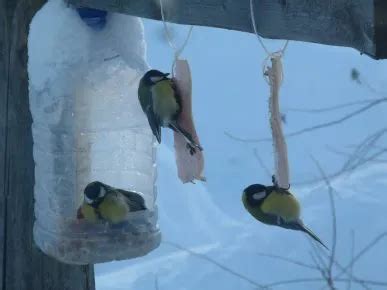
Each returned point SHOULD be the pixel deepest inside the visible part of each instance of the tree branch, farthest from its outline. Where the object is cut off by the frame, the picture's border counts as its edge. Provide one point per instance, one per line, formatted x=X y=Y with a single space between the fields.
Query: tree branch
x=315 y=127
x=216 y=263
x=362 y=253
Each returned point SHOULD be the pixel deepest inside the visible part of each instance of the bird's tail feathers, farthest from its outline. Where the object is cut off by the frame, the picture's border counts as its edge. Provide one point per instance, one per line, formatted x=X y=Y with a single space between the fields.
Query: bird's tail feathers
x=305 y=229
x=136 y=201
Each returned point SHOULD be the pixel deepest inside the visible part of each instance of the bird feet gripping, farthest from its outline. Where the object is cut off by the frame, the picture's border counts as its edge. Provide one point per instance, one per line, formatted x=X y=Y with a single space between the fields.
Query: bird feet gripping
x=276 y=186
x=192 y=147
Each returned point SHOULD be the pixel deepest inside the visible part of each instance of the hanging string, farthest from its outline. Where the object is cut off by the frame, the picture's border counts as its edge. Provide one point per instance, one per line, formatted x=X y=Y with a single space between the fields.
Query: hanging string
x=270 y=55
x=252 y=16
x=273 y=75
x=177 y=51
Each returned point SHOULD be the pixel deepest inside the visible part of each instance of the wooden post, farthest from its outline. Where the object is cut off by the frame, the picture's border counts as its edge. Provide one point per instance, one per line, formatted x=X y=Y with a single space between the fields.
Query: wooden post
x=360 y=24
x=23 y=266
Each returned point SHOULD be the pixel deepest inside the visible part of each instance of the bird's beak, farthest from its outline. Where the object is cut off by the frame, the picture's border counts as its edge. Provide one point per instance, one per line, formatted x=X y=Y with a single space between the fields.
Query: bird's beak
x=166 y=74
x=80 y=214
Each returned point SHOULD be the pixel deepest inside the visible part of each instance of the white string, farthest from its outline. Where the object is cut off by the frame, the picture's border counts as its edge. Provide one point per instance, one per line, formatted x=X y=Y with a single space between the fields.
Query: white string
x=177 y=51
x=270 y=55
x=252 y=16
x=274 y=76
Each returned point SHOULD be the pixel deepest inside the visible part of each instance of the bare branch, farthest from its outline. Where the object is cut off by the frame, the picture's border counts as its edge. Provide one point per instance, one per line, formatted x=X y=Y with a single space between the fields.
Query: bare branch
x=349 y=155
x=261 y=163
x=333 y=212
x=338 y=121
x=318 y=279
x=364 y=147
x=315 y=127
x=318 y=262
x=292 y=261
x=363 y=252
x=246 y=140
x=331 y=108
x=348 y=169
x=157 y=286
x=351 y=277
x=352 y=256
x=295 y=281
x=318 y=259
x=357 y=77
x=219 y=265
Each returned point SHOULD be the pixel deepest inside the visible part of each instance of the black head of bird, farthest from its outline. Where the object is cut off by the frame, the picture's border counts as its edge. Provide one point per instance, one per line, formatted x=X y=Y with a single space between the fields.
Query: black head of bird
x=153 y=76
x=95 y=192
x=255 y=194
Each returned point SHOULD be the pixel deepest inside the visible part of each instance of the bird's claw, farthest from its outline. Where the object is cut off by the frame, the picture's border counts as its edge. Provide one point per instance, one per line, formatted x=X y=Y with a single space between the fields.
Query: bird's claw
x=275 y=184
x=192 y=149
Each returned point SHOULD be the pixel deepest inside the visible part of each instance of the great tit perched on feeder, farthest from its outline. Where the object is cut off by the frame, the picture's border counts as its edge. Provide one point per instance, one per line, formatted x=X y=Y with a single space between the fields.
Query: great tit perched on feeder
x=105 y=203
x=275 y=206
x=161 y=103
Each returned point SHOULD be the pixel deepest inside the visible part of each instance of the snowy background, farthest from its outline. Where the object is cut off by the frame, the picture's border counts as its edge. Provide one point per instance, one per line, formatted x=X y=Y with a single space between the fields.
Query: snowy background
x=208 y=218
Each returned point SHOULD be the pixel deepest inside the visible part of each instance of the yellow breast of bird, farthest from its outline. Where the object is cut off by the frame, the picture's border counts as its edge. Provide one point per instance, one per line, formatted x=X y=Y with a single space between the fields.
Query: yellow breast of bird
x=89 y=213
x=164 y=100
x=114 y=208
x=284 y=205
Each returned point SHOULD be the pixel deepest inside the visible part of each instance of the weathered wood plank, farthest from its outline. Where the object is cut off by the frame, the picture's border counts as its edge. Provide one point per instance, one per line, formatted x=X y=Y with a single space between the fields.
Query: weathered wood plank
x=23 y=266
x=350 y=23
x=3 y=126
x=381 y=28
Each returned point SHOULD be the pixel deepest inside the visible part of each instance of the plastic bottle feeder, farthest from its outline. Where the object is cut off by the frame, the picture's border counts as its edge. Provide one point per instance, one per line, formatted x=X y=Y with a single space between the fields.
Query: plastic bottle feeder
x=88 y=126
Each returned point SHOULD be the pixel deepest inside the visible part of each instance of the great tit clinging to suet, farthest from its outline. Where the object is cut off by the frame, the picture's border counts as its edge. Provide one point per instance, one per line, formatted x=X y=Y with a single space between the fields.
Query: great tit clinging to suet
x=105 y=203
x=161 y=103
x=275 y=206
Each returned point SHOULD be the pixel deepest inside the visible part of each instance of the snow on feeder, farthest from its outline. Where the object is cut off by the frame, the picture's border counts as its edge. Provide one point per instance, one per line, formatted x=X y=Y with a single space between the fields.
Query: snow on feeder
x=88 y=126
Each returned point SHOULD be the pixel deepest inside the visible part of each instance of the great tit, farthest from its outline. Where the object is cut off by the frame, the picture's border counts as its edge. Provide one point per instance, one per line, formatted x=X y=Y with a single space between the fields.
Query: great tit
x=275 y=206
x=161 y=103
x=105 y=203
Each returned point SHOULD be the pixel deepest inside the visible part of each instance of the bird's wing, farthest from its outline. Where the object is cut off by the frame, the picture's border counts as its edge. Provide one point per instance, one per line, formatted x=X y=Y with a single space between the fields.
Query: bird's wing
x=282 y=205
x=177 y=94
x=136 y=201
x=154 y=123
x=146 y=102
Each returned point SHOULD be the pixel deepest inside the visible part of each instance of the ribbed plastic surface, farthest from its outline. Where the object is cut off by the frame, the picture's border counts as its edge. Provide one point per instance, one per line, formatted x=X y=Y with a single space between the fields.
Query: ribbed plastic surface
x=88 y=126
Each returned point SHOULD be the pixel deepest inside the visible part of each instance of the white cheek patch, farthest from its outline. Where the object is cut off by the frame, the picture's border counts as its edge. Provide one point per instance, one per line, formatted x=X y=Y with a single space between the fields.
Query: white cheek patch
x=102 y=192
x=156 y=79
x=259 y=195
x=88 y=200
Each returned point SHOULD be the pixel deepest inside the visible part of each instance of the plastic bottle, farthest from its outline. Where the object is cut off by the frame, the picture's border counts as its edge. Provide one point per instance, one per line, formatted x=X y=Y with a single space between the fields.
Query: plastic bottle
x=88 y=126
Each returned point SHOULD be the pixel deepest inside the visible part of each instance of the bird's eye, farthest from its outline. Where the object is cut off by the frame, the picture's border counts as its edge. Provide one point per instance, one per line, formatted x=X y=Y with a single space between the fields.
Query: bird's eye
x=259 y=195
x=156 y=79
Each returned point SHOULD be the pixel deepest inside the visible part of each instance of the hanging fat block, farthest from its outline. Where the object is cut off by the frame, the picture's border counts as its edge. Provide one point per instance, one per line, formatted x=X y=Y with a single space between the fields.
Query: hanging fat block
x=88 y=126
x=189 y=166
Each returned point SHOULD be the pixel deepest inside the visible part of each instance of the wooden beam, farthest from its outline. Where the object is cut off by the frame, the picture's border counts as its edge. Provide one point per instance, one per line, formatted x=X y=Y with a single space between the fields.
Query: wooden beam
x=22 y=265
x=351 y=23
x=380 y=14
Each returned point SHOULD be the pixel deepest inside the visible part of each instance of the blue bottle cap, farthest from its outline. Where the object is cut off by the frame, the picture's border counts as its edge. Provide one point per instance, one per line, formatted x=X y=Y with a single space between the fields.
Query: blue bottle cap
x=93 y=17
